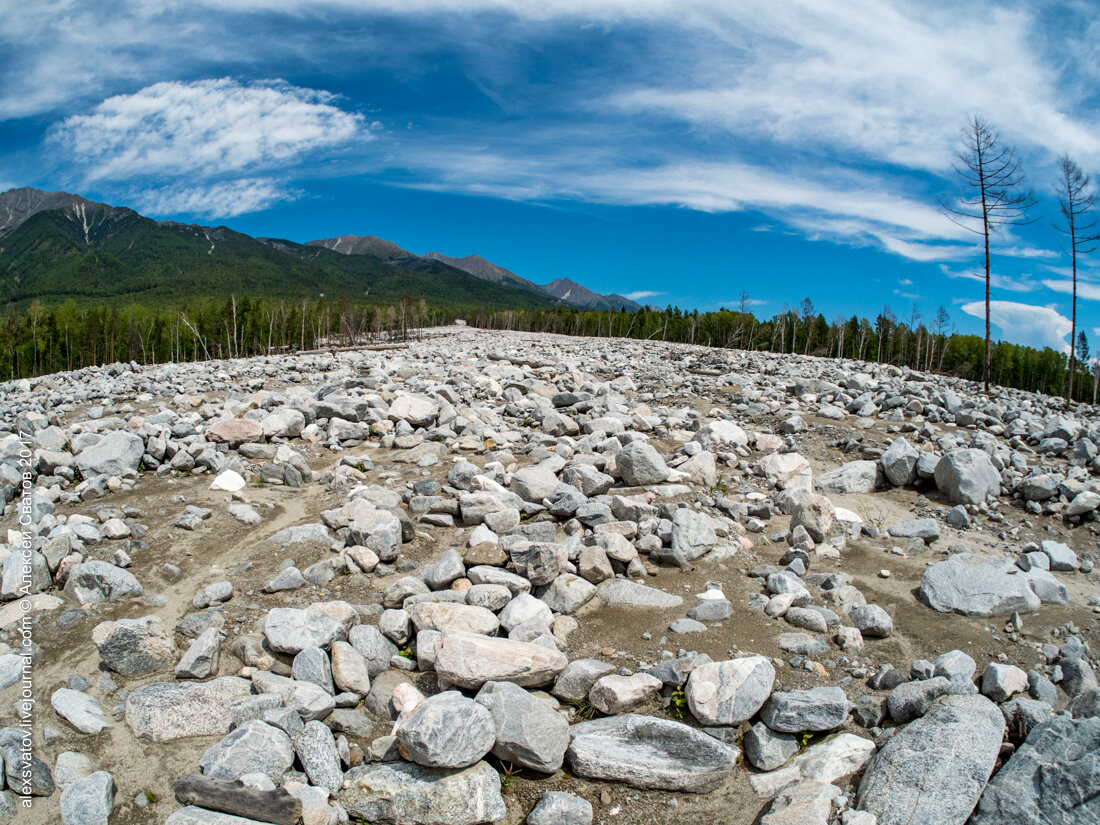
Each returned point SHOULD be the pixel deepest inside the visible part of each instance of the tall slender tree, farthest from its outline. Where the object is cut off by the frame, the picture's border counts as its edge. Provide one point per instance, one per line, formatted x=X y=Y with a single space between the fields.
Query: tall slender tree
x=1076 y=201
x=995 y=197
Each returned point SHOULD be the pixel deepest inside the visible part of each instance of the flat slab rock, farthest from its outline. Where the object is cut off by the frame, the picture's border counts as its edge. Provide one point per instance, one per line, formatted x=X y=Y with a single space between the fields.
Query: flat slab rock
x=632 y=594
x=650 y=753
x=976 y=585
x=933 y=771
x=401 y=793
x=163 y=711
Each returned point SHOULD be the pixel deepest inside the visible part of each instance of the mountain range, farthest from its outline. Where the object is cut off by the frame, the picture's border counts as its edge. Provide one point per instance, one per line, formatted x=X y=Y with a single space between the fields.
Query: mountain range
x=55 y=246
x=563 y=289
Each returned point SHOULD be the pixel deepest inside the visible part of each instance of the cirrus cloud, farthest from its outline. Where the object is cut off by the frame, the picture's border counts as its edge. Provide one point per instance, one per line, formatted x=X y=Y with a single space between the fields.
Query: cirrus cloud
x=208 y=127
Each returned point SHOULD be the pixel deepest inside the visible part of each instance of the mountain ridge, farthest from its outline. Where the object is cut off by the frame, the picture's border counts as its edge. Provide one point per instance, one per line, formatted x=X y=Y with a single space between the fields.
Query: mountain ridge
x=55 y=245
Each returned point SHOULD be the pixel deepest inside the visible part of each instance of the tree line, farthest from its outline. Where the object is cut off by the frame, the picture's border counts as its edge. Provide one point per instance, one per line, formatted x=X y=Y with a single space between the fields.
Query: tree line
x=43 y=339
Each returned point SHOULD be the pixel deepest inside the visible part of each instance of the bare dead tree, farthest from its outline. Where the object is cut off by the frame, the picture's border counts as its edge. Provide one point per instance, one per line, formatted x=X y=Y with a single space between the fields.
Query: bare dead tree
x=995 y=196
x=1076 y=201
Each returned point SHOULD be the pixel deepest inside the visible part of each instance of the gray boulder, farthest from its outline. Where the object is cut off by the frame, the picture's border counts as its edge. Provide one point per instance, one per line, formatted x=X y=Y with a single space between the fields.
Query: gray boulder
x=728 y=693
x=767 y=750
x=820 y=708
x=911 y=700
x=290 y=630
x=1052 y=778
x=853 y=477
x=872 y=621
x=560 y=808
x=976 y=585
x=925 y=529
x=529 y=732
x=80 y=710
x=933 y=771
x=899 y=463
x=134 y=647
x=163 y=711
x=649 y=753
x=640 y=464
x=401 y=792
x=254 y=747
x=93 y=582
x=316 y=750
x=447 y=731
x=967 y=476
x=89 y=801
x=116 y=454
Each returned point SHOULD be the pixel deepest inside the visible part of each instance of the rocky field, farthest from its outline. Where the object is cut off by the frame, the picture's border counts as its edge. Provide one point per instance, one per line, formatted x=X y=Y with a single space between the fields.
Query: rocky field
x=492 y=577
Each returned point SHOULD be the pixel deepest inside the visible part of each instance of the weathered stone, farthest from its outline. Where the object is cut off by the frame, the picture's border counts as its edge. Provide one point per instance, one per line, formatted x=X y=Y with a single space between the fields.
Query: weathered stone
x=446 y=731
x=290 y=630
x=163 y=711
x=529 y=732
x=93 y=582
x=820 y=708
x=650 y=753
x=613 y=694
x=766 y=749
x=560 y=808
x=89 y=801
x=80 y=710
x=316 y=750
x=967 y=476
x=116 y=454
x=872 y=621
x=933 y=771
x=640 y=465
x=400 y=793
x=468 y=661
x=254 y=747
x=984 y=586
x=134 y=647
x=1052 y=778
x=728 y=693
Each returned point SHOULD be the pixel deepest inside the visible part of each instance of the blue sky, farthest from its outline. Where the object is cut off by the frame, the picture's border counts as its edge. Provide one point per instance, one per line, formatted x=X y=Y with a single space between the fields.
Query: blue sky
x=681 y=151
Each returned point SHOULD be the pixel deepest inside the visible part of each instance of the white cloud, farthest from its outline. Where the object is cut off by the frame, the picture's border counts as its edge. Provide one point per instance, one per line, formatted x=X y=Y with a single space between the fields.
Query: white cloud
x=642 y=293
x=996 y=280
x=207 y=127
x=1026 y=324
x=1090 y=292
x=217 y=200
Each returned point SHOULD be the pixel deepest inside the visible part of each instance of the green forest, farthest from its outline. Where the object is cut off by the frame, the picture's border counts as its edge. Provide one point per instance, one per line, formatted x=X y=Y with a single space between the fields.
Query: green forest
x=38 y=338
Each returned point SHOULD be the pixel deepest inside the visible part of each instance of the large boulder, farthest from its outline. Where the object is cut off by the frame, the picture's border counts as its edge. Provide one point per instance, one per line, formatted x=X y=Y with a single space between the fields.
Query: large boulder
x=291 y=630
x=899 y=462
x=403 y=793
x=135 y=647
x=786 y=471
x=446 y=731
x=95 y=581
x=254 y=747
x=418 y=410
x=728 y=693
x=529 y=731
x=115 y=454
x=650 y=753
x=235 y=432
x=967 y=476
x=640 y=464
x=933 y=771
x=819 y=708
x=1053 y=777
x=976 y=585
x=853 y=477
x=469 y=660
x=163 y=711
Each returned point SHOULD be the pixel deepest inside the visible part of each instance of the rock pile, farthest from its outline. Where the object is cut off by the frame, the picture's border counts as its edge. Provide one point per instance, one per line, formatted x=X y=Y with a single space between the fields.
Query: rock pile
x=409 y=576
